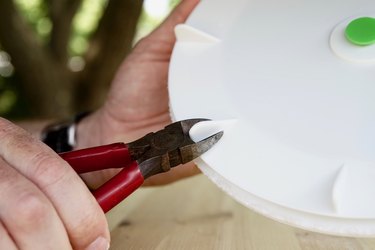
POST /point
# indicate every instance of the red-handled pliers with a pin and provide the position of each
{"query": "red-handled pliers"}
(150, 155)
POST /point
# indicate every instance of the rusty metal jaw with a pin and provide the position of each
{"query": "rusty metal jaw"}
(192, 151)
(160, 151)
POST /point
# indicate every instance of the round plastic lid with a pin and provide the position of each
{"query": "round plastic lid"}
(296, 101)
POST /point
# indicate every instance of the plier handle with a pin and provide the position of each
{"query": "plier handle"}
(152, 154)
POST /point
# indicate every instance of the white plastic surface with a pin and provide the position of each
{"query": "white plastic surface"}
(298, 119)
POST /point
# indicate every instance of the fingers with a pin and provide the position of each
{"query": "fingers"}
(6, 241)
(177, 173)
(28, 216)
(178, 15)
(82, 217)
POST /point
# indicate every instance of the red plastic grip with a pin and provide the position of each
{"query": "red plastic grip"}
(119, 187)
(98, 158)
(103, 157)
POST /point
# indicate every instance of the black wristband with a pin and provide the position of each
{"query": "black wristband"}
(61, 137)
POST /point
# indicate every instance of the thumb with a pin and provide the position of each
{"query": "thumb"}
(179, 15)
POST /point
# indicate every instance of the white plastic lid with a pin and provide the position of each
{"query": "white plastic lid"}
(296, 100)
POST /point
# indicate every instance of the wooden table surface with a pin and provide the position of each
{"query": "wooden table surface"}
(195, 214)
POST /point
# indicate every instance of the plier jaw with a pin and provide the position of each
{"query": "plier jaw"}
(152, 154)
(160, 151)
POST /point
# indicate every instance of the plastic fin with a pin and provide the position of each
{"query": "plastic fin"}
(338, 189)
(186, 33)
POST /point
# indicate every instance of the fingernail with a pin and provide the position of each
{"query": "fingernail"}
(100, 243)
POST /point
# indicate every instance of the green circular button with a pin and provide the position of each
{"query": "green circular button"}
(361, 31)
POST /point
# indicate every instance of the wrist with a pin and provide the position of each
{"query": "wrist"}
(62, 136)
(88, 132)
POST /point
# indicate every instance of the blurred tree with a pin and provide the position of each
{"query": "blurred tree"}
(43, 49)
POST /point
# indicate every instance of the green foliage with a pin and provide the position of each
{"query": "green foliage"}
(173, 3)
(8, 98)
(36, 13)
(84, 24)
(147, 23)
(13, 104)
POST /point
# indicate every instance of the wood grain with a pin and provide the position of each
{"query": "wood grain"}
(195, 214)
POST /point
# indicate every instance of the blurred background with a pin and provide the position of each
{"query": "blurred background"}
(58, 57)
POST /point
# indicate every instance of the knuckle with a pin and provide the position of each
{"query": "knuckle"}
(48, 168)
(14, 137)
(31, 209)
(18, 141)
(144, 45)
(8, 128)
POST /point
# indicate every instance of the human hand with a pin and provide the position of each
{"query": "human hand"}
(138, 99)
(43, 203)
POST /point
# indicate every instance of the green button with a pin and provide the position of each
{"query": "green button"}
(361, 31)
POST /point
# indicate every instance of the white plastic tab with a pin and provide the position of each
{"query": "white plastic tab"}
(354, 191)
(186, 33)
(202, 130)
(338, 189)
